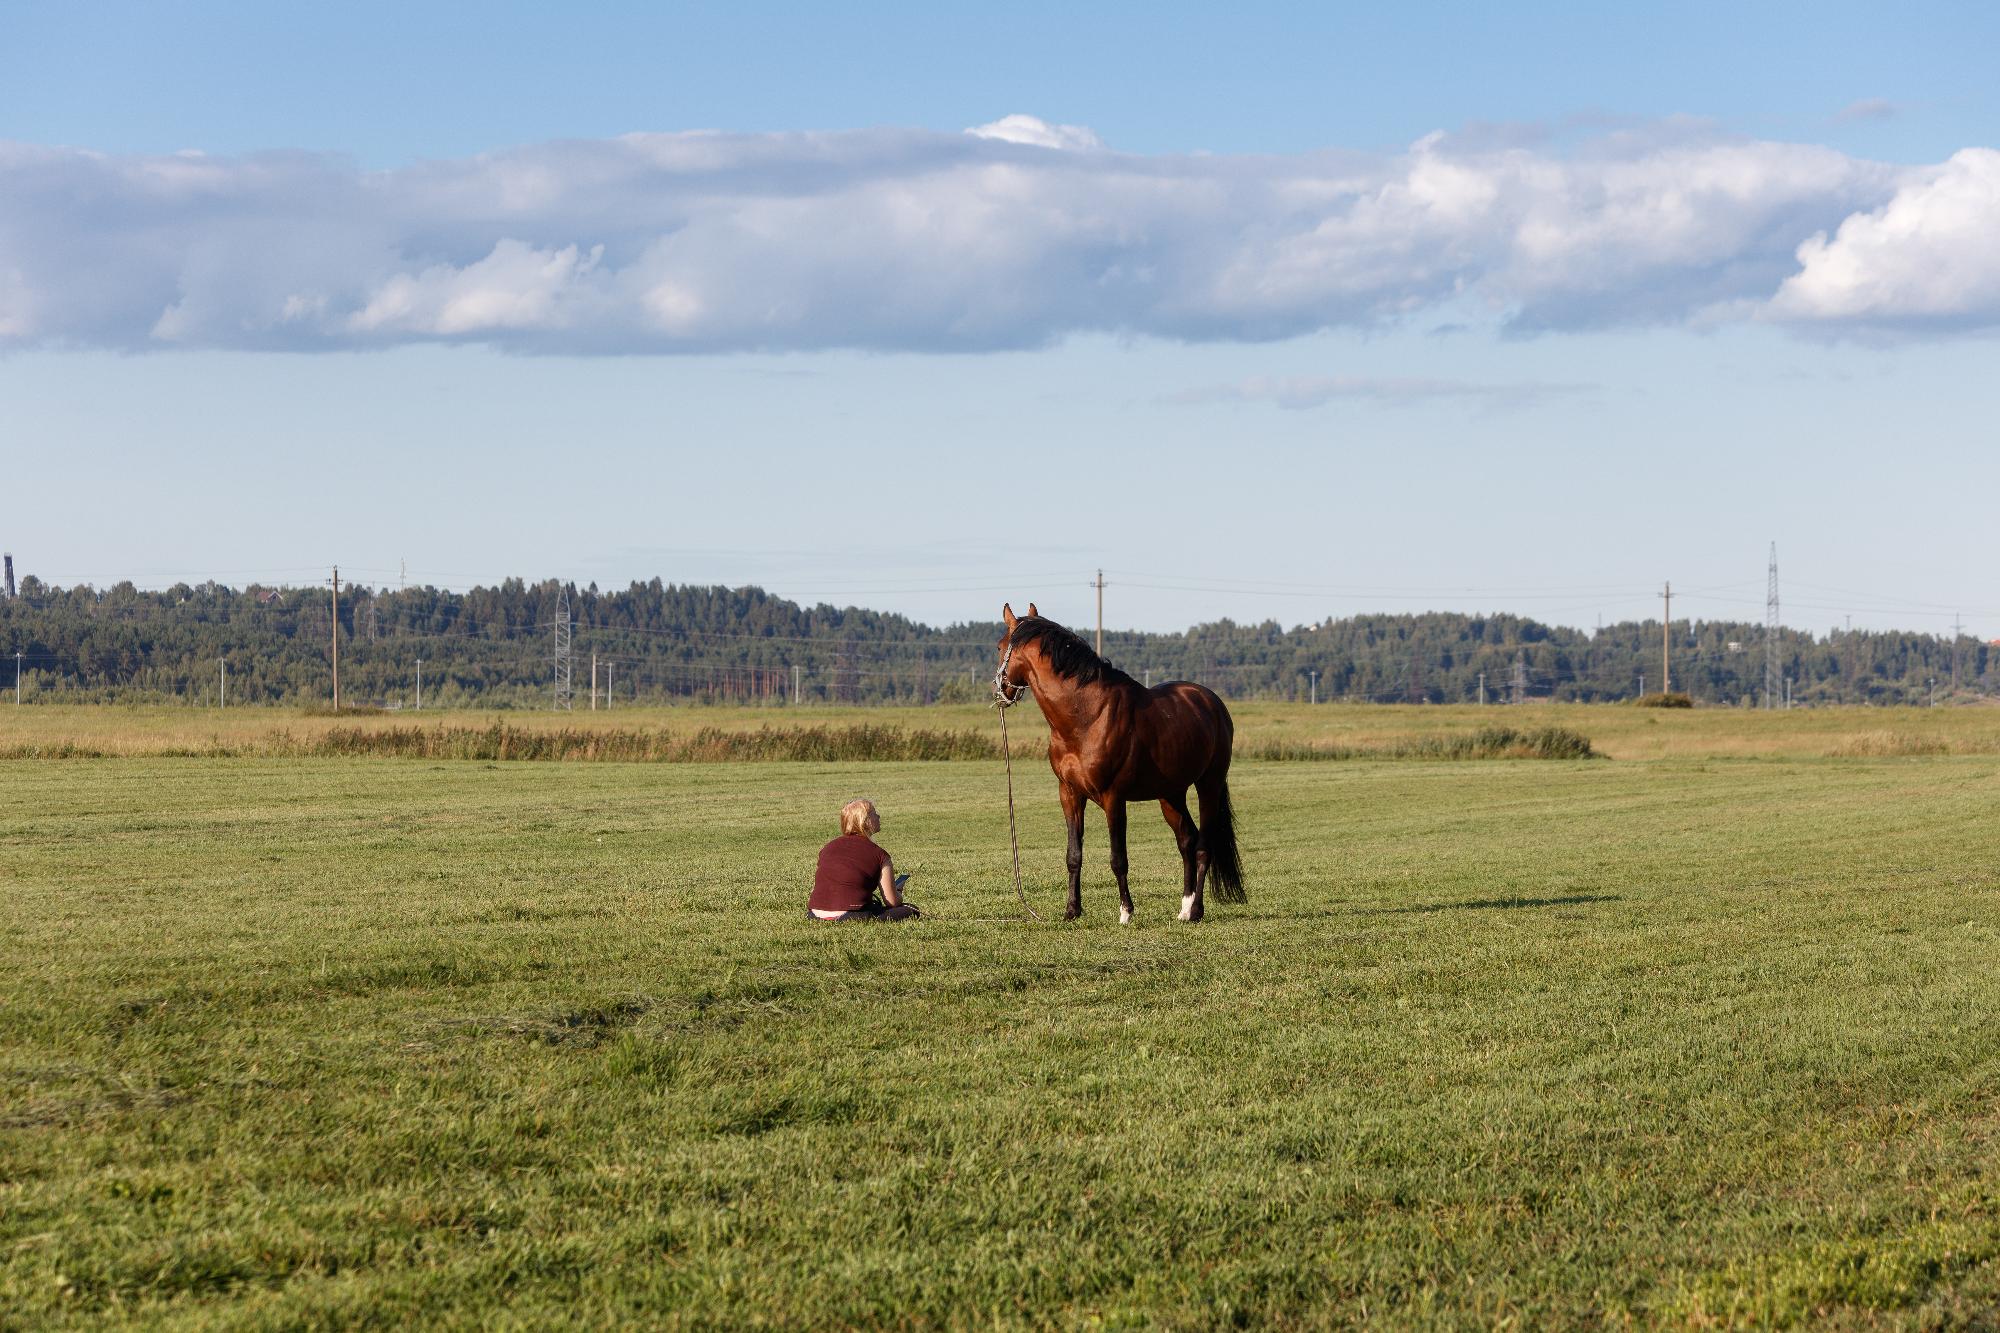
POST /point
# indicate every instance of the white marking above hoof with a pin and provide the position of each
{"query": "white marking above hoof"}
(1187, 907)
(1124, 916)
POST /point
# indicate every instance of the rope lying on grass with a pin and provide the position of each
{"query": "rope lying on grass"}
(1003, 701)
(1013, 840)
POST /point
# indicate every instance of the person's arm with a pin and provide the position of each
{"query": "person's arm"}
(889, 893)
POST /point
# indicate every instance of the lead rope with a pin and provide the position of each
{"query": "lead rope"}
(1002, 700)
(1013, 839)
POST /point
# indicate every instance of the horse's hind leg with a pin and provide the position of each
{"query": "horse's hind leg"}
(1072, 804)
(1194, 865)
(1114, 817)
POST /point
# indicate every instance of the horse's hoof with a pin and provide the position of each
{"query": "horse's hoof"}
(1072, 913)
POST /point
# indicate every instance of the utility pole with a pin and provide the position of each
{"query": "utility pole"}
(1931, 684)
(1482, 689)
(221, 683)
(1315, 687)
(1956, 630)
(795, 683)
(1666, 661)
(1642, 684)
(336, 638)
(1772, 672)
(1149, 678)
(607, 684)
(593, 680)
(1847, 660)
(1100, 613)
(1788, 694)
(17, 679)
(420, 684)
(564, 696)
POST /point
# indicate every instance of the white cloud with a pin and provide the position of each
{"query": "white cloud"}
(17, 317)
(1037, 133)
(515, 287)
(1930, 256)
(1015, 234)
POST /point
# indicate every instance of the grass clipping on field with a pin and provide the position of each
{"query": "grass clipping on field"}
(820, 744)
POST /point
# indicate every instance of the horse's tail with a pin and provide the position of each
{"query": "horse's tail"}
(1218, 838)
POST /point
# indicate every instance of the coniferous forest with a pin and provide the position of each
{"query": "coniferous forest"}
(656, 642)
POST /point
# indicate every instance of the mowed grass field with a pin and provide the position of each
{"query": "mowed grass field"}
(1619, 731)
(1705, 1033)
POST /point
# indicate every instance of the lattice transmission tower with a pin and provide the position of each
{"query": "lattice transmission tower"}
(565, 697)
(1774, 676)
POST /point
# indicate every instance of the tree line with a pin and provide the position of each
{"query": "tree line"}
(660, 642)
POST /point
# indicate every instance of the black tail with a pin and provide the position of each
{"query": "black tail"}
(1218, 839)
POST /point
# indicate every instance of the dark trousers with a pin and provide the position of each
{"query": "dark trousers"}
(874, 911)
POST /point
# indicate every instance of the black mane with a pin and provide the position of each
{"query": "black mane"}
(1067, 654)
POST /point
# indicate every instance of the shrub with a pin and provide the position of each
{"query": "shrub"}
(1663, 701)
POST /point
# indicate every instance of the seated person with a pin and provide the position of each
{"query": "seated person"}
(856, 881)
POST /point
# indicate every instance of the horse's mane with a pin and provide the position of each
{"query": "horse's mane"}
(1067, 654)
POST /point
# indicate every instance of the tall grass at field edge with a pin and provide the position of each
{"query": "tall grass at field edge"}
(853, 744)
(1485, 743)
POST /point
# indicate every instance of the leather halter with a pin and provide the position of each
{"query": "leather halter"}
(1000, 683)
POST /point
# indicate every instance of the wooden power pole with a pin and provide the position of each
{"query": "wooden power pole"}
(336, 638)
(1666, 632)
(1100, 613)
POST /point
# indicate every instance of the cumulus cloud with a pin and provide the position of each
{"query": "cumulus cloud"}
(1926, 258)
(1014, 234)
(1037, 133)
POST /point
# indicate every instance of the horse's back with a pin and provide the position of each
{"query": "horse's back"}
(1189, 731)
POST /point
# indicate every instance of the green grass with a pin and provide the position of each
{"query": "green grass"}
(1621, 732)
(350, 1041)
(1485, 743)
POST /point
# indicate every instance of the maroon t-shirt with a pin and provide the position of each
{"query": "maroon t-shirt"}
(850, 867)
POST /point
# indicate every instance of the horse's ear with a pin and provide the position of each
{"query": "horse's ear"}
(1007, 613)
(1031, 609)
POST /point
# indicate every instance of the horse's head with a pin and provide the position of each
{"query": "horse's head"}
(1011, 677)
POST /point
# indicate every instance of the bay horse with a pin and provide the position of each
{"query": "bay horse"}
(1113, 740)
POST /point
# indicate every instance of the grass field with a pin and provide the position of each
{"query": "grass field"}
(1703, 1033)
(1619, 731)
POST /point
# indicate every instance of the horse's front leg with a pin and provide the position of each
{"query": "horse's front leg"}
(1114, 818)
(1072, 804)
(1194, 865)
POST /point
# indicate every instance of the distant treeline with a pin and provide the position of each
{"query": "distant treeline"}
(655, 642)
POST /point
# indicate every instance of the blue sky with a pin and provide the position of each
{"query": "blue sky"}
(1275, 312)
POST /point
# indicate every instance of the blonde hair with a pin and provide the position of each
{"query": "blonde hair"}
(855, 815)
